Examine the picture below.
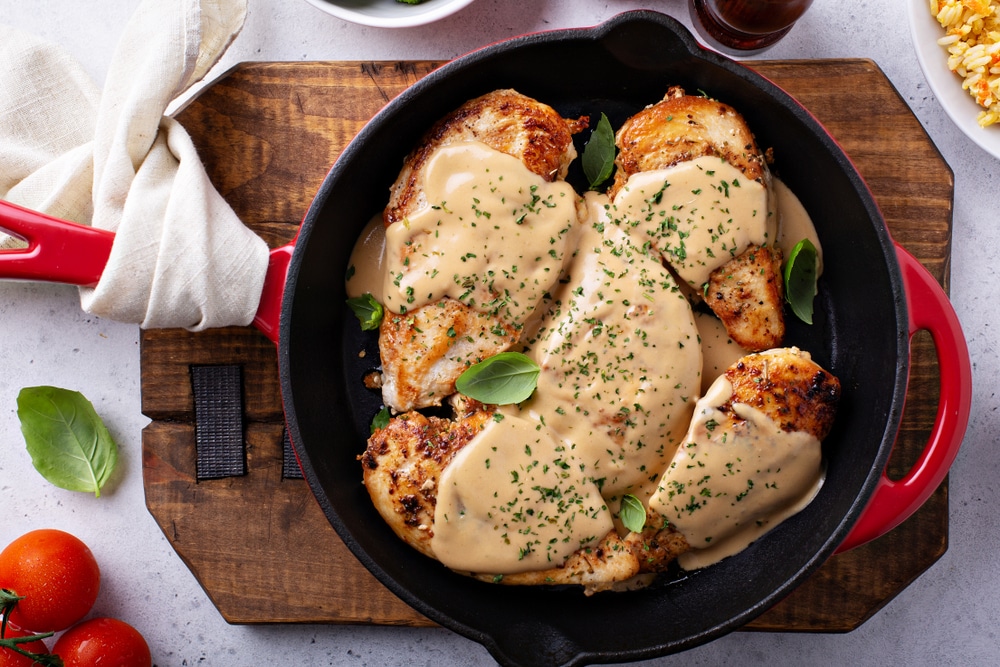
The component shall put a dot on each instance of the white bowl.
(390, 13)
(947, 85)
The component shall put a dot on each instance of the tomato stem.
(9, 600)
(44, 659)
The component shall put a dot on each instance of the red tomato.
(103, 642)
(9, 658)
(55, 574)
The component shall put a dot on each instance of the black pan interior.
(859, 334)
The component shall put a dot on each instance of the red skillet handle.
(269, 310)
(58, 251)
(894, 501)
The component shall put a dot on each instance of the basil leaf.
(800, 279)
(69, 444)
(632, 513)
(599, 154)
(381, 419)
(509, 377)
(368, 311)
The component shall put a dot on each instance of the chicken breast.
(747, 293)
(426, 348)
(752, 457)
(424, 351)
(789, 387)
(683, 127)
(505, 120)
(404, 461)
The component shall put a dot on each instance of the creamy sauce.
(493, 235)
(718, 350)
(732, 481)
(623, 359)
(794, 223)
(366, 272)
(620, 372)
(698, 214)
(516, 499)
(620, 359)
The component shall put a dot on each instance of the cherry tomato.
(9, 658)
(55, 574)
(103, 642)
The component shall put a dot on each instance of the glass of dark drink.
(747, 25)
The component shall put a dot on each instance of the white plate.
(389, 13)
(947, 85)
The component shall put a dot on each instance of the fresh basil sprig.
(368, 311)
(503, 379)
(800, 279)
(599, 154)
(69, 444)
(632, 513)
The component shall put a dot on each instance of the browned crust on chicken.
(424, 351)
(795, 392)
(684, 127)
(404, 461)
(747, 293)
(657, 546)
(504, 120)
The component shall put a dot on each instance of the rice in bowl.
(972, 39)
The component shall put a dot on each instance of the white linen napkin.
(181, 256)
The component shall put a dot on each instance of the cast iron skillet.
(860, 334)
(873, 296)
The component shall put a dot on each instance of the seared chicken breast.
(789, 387)
(683, 127)
(425, 349)
(505, 120)
(404, 461)
(747, 293)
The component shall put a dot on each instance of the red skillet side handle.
(58, 250)
(894, 501)
(268, 318)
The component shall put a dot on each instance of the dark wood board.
(260, 545)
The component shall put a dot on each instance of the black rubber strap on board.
(289, 463)
(218, 414)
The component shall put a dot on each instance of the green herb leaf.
(599, 154)
(632, 513)
(368, 311)
(381, 419)
(509, 377)
(800, 279)
(68, 443)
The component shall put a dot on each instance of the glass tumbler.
(747, 25)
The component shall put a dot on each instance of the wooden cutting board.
(259, 544)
